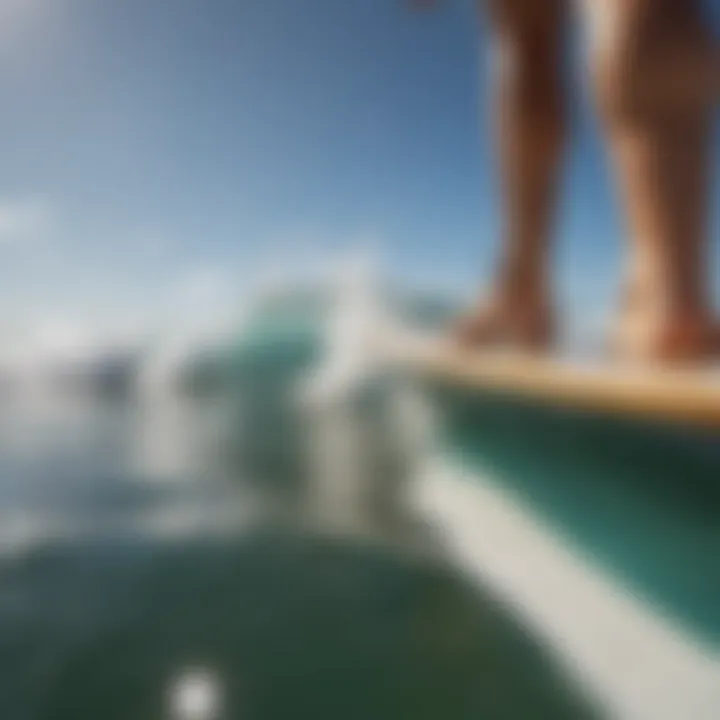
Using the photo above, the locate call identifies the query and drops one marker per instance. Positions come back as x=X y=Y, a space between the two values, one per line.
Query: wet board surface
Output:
x=689 y=396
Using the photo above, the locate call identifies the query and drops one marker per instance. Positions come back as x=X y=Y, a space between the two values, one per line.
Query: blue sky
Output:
x=157 y=153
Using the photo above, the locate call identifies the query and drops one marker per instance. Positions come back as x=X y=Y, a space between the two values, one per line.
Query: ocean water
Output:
x=254 y=548
x=240 y=555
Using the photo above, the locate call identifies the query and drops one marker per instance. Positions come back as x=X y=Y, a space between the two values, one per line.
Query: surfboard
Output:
x=669 y=395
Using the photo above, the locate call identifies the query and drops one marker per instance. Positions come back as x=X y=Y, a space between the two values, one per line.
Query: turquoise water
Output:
x=643 y=501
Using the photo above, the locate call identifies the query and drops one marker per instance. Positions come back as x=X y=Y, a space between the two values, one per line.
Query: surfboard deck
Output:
x=686 y=396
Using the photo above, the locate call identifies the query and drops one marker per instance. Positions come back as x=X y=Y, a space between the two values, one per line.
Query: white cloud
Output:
x=204 y=296
x=64 y=336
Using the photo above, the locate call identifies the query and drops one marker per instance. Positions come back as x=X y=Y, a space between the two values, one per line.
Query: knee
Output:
x=645 y=69
x=527 y=62
x=529 y=78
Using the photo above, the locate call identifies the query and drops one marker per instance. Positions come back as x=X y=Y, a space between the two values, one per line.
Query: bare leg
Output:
x=655 y=76
x=528 y=83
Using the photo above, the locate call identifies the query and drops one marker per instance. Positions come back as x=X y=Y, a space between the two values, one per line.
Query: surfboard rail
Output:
x=679 y=395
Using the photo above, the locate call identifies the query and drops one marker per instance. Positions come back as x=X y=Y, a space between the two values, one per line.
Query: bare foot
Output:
x=529 y=328
x=667 y=339
x=650 y=330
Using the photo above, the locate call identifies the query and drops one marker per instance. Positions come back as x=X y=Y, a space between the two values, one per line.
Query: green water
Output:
x=641 y=500
x=291 y=627
x=118 y=577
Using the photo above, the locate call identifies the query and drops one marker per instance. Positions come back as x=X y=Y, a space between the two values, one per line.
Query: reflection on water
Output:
x=142 y=546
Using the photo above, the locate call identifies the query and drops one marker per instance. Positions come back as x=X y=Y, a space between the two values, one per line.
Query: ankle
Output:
x=523 y=288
